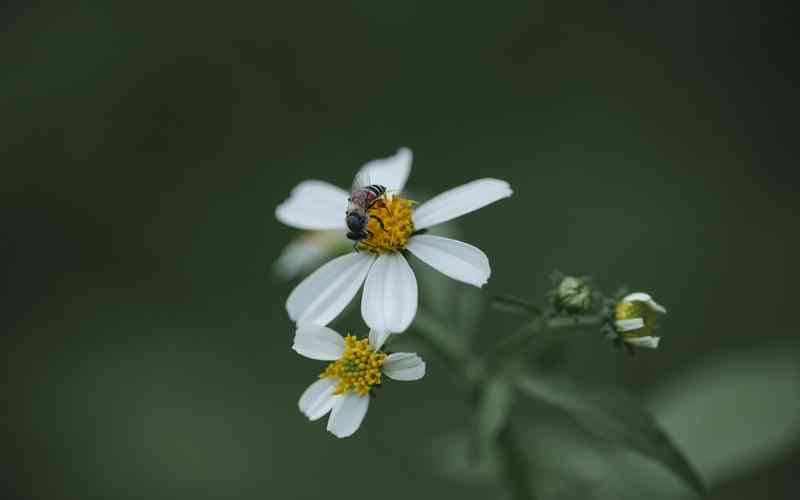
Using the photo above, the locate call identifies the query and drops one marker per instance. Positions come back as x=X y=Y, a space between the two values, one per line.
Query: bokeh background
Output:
x=145 y=145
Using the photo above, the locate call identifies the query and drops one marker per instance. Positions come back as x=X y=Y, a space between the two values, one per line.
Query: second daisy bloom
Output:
x=389 y=301
x=356 y=369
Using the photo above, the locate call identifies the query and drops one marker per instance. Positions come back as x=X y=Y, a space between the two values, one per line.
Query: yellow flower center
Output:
x=636 y=309
x=358 y=369
x=389 y=225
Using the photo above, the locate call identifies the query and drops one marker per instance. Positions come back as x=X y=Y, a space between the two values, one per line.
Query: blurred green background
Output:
x=145 y=146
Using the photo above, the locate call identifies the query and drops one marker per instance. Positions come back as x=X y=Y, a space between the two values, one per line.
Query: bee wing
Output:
x=362 y=179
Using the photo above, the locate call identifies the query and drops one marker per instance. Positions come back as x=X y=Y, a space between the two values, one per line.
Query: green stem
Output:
x=438 y=336
x=515 y=464
x=578 y=321
x=518 y=342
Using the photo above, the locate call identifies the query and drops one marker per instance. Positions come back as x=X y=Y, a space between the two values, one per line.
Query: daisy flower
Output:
x=635 y=318
x=356 y=369
x=394 y=228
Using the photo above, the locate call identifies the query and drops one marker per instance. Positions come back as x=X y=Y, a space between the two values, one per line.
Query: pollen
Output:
x=359 y=368
x=636 y=309
x=389 y=225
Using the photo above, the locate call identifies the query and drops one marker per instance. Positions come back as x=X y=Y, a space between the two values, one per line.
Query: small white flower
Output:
x=389 y=301
x=635 y=318
x=344 y=387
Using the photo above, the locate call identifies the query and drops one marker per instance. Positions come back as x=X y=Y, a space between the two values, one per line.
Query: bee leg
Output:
x=380 y=199
x=382 y=205
x=379 y=221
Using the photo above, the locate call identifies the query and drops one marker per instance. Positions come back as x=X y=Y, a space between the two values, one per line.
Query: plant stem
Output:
x=515 y=464
x=518 y=341
x=474 y=370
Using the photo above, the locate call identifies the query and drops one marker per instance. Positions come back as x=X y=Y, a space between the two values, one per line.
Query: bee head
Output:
x=356 y=221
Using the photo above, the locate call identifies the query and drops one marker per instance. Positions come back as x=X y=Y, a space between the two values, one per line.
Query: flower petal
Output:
x=318 y=342
x=318 y=399
x=459 y=201
x=626 y=325
x=389 y=302
x=308 y=251
x=378 y=338
x=650 y=342
x=391 y=172
x=647 y=299
x=453 y=258
x=404 y=366
x=348 y=412
x=314 y=205
x=326 y=292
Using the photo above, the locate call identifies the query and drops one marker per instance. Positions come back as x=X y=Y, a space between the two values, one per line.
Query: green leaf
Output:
x=734 y=411
x=616 y=418
x=566 y=463
x=494 y=406
x=453 y=455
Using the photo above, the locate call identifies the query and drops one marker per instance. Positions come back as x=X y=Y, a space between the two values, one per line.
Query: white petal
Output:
x=453 y=258
x=389 y=302
x=318 y=399
x=657 y=307
x=643 y=297
x=318 y=342
x=459 y=201
x=308 y=251
x=391 y=172
x=650 y=342
x=348 y=412
x=314 y=205
x=326 y=292
x=626 y=325
x=404 y=366
x=637 y=297
x=377 y=338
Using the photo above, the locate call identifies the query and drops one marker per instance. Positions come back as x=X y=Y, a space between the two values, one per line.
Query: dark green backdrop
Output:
x=145 y=145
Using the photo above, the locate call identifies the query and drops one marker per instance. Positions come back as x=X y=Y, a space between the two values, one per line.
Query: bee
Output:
x=363 y=196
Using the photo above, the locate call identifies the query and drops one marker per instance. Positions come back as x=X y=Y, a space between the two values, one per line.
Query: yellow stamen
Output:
x=358 y=369
x=636 y=309
x=395 y=213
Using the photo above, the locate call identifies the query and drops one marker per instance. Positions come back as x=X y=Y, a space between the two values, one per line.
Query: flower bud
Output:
x=635 y=319
x=572 y=296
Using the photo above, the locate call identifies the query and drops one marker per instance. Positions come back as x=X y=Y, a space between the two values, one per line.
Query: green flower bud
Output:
x=572 y=296
x=635 y=318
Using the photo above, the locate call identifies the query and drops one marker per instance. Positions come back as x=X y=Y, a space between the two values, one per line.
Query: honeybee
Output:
x=363 y=195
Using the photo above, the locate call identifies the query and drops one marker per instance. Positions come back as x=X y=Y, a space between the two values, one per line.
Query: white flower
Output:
x=389 y=301
x=344 y=387
x=635 y=318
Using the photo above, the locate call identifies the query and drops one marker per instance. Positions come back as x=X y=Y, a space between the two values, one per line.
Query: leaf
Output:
x=453 y=455
x=494 y=407
x=567 y=463
x=734 y=412
x=616 y=418
x=515 y=305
